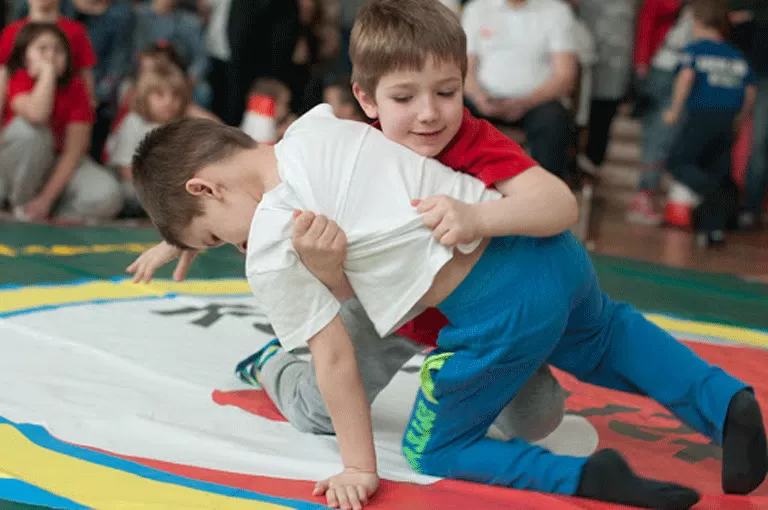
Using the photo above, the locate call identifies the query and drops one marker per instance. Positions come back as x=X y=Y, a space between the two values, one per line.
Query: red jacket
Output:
x=655 y=19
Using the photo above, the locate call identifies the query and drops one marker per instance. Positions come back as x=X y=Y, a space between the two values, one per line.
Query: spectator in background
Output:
x=339 y=95
x=262 y=38
x=316 y=46
x=664 y=28
x=716 y=87
x=44 y=167
x=610 y=22
x=522 y=65
x=160 y=22
x=219 y=53
x=756 y=12
x=110 y=28
x=281 y=95
x=48 y=11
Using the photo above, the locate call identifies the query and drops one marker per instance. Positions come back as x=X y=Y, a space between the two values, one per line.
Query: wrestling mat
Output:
x=117 y=395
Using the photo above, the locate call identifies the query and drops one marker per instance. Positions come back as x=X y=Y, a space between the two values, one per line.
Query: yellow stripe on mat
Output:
x=723 y=331
x=101 y=487
x=35 y=296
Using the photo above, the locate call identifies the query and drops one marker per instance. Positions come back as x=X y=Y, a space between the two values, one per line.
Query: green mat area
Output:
x=43 y=254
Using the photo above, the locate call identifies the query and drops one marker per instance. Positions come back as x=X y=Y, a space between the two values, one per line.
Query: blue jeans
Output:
x=657 y=137
x=756 y=180
x=530 y=301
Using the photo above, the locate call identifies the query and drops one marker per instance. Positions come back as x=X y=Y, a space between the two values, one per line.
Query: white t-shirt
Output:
x=122 y=144
x=354 y=175
x=514 y=45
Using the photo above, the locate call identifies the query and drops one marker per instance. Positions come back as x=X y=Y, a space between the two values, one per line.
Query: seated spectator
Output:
x=48 y=11
x=339 y=95
x=281 y=95
x=46 y=134
x=162 y=95
x=159 y=22
x=521 y=66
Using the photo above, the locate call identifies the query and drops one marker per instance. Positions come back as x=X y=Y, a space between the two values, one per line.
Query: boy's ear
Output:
x=367 y=103
x=200 y=187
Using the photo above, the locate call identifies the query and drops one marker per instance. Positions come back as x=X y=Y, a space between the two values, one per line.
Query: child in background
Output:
x=159 y=22
x=82 y=56
x=339 y=95
x=44 y=167
x=163 y=95
x=281 y=95
x=716 y=88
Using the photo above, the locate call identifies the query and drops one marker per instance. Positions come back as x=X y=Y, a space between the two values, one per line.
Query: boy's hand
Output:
x=452 y=222
x=156 y=257
x=350 y=489
x=321 y=244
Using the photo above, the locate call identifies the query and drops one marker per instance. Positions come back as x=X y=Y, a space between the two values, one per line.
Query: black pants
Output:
x=548 y=129
x=700 y=158
x=602 y=113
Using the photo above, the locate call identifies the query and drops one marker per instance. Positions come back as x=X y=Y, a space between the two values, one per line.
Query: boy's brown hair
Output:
x=163 y=75
x=168 y=157
x=391 y=35
x=711 y=13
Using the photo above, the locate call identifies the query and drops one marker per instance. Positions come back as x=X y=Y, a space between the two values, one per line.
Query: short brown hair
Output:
x=151 y=80
x=391 y=35
x=168 y=157
x=711 y=13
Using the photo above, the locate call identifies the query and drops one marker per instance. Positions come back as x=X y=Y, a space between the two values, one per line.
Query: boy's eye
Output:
x=446 y=93
x=401 y=99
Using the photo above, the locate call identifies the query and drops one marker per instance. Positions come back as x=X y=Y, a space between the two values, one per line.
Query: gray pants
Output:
x=26 y=161
x=533 y=414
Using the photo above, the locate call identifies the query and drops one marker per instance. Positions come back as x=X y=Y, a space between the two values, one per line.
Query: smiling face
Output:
x=421 y=109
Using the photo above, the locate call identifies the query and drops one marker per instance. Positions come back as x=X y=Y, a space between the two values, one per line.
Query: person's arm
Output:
x=37 y=105
x=536 y=203
x=683 y=85
x=643 y=41
x=341 y=386
x=90 y=84
x=3 y=90
x=559 y=84
x=750 y=98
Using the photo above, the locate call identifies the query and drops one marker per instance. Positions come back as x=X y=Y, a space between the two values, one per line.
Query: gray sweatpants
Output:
x=26 y=161
x=533 y=414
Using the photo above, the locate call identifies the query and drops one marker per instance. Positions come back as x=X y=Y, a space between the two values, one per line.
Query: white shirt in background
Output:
x=121 y=145
x=514 y=45
x=354 y=175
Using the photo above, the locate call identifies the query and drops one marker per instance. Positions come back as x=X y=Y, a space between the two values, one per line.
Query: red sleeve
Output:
x=481 y=150
x=83 y=56
x=19 y=83
x=80 y=109
x=646 y=26
x=6 y=41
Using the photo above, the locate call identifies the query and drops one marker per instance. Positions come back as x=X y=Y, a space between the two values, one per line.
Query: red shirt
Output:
x=656 y=18
x=478 y=149
x=83 y=55
x=71 y=105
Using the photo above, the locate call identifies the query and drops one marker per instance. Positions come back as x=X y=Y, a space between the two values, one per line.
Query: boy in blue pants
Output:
x=513 y=302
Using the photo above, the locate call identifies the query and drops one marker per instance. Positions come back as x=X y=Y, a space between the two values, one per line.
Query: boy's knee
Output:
x=101 y=197
x=309 y=421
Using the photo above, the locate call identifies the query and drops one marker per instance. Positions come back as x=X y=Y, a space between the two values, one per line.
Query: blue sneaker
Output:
x=247 y=369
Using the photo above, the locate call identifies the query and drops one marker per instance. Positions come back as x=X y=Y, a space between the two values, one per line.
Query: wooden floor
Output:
x=745 y=255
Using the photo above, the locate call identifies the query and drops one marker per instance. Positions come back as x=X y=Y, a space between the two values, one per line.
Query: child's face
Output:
x=228 y=204
x=164 y=105
x=46 y=49
x=419 y=109
x=43 y=5
x=283 y=106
